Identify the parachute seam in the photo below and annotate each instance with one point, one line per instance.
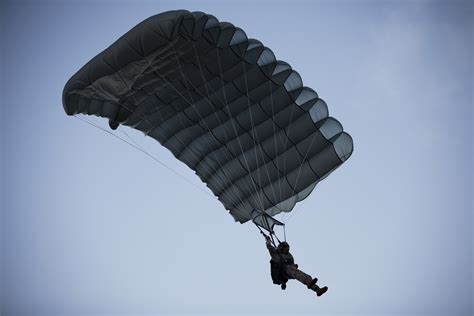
(193, 104)
(166, 141)
(169, 104)
(255, 142)
(237, 158)
(205, 85)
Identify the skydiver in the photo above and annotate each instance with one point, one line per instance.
(283, 268)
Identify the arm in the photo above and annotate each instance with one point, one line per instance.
(270, 247)
(289, 260)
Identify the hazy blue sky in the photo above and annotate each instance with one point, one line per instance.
(90, 226)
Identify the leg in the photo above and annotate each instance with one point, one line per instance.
(306, 279)
(295, 273)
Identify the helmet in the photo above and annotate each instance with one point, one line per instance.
(113, 124)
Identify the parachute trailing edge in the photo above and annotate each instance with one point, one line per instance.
(221, 103)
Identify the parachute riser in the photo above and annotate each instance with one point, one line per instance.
(264, 221)
(271, 234)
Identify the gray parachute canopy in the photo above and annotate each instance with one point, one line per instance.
(221, 103)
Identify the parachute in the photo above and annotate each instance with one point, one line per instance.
(222, 104)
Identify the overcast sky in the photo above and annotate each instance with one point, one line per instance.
(91, 226)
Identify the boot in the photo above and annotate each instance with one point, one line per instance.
(283, 286)
(312, 283)
(321, 291)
